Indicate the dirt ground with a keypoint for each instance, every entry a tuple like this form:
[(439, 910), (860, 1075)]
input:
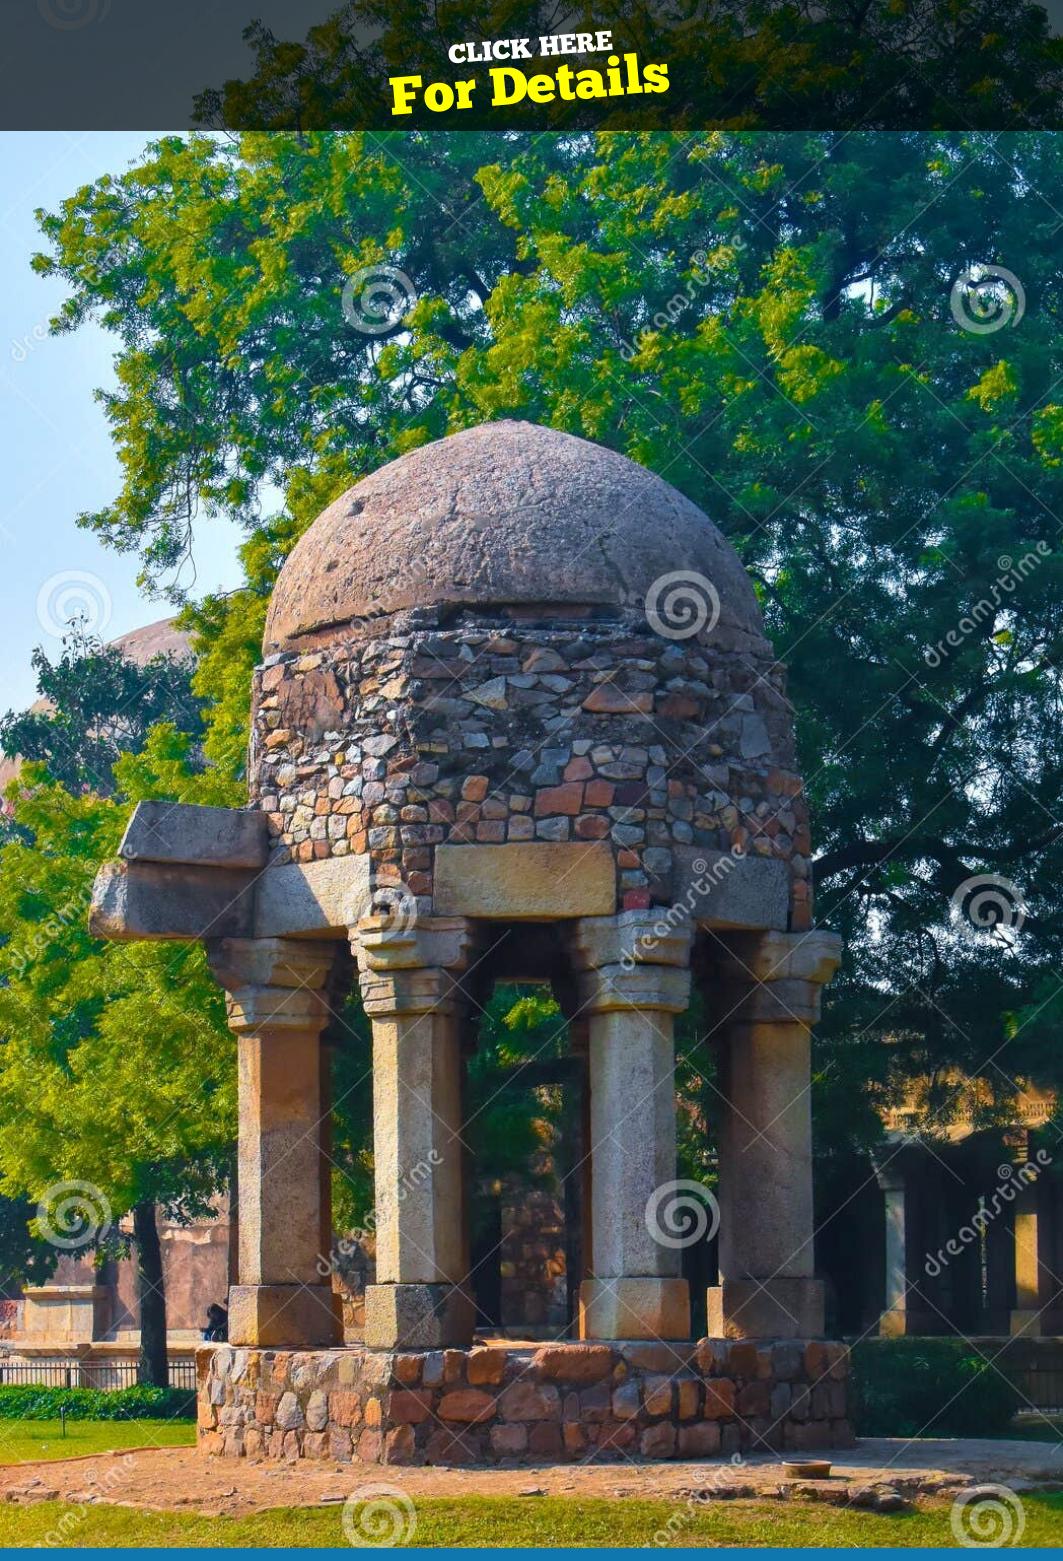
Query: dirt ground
[(879, 1472)]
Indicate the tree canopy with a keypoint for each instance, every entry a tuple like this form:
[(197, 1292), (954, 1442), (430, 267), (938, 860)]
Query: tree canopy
[(797, 330)]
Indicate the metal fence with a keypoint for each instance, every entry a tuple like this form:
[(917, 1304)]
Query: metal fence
[(104, 1374)]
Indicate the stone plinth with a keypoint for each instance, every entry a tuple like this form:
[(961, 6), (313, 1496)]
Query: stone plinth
[(501, 1405)]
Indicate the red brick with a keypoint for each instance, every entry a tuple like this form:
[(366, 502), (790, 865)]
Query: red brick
[(591, 826), (544, 1439), (486, 1365), (578, 769), (636, 900), (530, 1401), (474, 788)]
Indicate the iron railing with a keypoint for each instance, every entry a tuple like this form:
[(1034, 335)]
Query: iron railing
[(104, 1374)]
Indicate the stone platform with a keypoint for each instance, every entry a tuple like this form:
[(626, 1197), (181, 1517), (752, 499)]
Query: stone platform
[(511, 1404)]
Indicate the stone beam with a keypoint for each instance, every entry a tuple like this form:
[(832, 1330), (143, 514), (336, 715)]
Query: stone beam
[(153, 900), (185, 833), (537, 881), (720, 889)]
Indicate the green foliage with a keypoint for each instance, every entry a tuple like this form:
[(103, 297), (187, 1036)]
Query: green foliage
[(929, 1387), (99, 705), (29, 1402), (767, 321)]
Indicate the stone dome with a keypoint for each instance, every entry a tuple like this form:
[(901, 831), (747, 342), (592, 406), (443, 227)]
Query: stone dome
[(504, 514)]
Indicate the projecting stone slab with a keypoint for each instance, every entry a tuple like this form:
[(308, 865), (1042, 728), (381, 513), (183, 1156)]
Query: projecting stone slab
[(318, 897), (154, 900), (724, 890), (205, 837), (540, 881)]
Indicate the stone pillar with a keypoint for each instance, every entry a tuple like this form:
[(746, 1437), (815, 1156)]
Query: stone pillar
[(635, 979), (411, 988), (904, 1310), (277, 1010), (1027, 1317), (769, 1000)]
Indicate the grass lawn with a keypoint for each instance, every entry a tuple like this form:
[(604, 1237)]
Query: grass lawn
[(30, 1439), (508, 1521)]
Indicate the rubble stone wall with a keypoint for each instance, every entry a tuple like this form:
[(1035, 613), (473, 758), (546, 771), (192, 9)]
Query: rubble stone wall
[(521, 731), (494, 1404)]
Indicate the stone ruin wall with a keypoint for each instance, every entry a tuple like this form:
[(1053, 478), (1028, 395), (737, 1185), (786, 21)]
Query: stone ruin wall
[(529, 730), (512, 1406)]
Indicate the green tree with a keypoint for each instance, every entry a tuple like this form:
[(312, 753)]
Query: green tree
[(779, 324), (95, 703)]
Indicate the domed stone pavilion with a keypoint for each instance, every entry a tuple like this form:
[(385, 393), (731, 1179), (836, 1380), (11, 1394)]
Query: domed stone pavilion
[(516, 719)]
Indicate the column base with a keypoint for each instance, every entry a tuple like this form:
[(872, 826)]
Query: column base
[(284, 1316), (779, 1308), (1026, 1323), (417, 1317), (642, 1308)]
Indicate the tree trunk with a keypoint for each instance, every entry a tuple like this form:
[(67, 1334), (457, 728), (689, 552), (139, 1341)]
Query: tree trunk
[(152, 1368)]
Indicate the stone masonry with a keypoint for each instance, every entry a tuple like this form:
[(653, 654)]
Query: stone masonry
[(512, 1406)]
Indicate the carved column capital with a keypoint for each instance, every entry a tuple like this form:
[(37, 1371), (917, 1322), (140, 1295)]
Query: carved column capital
[(778, 977), (272, 983), (411, 970), (632, 938)]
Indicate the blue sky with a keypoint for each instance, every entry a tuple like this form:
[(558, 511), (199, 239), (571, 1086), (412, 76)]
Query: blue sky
[(57, 455)]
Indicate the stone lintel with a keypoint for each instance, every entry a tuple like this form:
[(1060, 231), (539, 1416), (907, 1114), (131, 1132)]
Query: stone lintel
[(159, 901), (308, 898), (720, 889), (637, 937), (183, 832), (532, 881)]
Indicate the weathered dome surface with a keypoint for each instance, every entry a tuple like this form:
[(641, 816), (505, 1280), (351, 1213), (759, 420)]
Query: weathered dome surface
[(503, 514)]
